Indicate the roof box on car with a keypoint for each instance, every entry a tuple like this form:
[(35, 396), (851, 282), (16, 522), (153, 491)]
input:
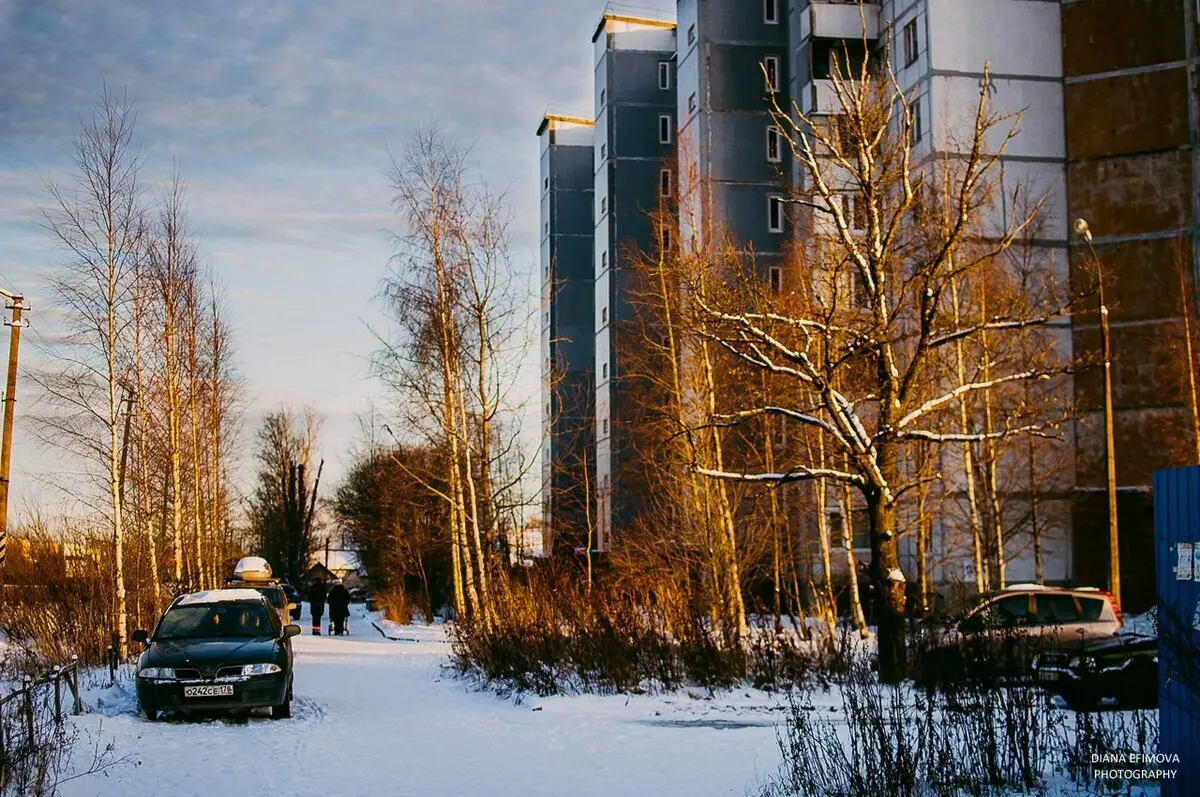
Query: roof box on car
[(252, 568)]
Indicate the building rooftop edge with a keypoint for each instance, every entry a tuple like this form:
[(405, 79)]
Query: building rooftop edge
[(554, 117), (647, 21)]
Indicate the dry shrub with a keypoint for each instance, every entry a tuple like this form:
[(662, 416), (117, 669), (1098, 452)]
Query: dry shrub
[(59, 598), (396, 604), (966, 736), (552, 635)]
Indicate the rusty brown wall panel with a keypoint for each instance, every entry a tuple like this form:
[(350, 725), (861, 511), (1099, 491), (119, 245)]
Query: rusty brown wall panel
[(1147, 366), (1132, 195), (1107, 35), (1146, 439), (1129, 114), (1141, 278), (1089, 542)]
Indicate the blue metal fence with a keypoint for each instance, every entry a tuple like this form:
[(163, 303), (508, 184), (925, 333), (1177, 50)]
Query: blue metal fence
[(1177, 557)]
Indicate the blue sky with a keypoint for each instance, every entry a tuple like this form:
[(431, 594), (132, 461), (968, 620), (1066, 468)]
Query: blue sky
[(280, 114)]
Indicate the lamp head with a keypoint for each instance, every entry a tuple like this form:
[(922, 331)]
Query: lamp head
[(1082, 230)]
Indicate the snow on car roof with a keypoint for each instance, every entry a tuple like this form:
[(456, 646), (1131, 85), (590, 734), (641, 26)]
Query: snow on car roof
[(219, 596)]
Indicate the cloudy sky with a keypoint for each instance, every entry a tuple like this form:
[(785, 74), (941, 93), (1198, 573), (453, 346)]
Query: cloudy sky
[(280, 115)]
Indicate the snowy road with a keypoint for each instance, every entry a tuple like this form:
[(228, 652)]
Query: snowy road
[(379, 717)]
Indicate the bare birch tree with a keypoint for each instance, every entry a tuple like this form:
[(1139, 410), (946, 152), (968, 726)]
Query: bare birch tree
[(97, 223), (448, 358), (872, 368)]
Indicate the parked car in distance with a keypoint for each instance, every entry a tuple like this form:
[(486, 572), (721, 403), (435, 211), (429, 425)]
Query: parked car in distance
[(1123, 668), (223, 649), (293, 596), (1001, 632), (253, 572)]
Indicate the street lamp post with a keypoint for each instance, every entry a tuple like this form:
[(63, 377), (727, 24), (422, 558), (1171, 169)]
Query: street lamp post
[(1110, 462)]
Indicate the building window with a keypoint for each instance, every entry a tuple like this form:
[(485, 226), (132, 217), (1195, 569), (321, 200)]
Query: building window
[(546, 184), (603, 315), (664, 75), (603, 205), (910, 43), (604, 371), (691, 34), (771, 12), (664, 182), (603, 151), (692, 102), (603, 260), (771, 66), (915, 109), (774, 154), (666, 238), (774, 214), (547, 228), (605, 482), (605, 425), (664, 129), (775, 279), (601, 98)]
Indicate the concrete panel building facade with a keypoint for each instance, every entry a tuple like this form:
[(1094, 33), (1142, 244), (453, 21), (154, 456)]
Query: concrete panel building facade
[(568, 337), (634, 172), (1130, 91)]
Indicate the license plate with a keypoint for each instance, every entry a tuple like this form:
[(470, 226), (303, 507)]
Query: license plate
[(216, 690), (1048, 675)]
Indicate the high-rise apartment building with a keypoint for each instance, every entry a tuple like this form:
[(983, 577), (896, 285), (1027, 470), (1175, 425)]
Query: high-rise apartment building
[(568, 333), (939, 52), (634, 147), (1105, 95)]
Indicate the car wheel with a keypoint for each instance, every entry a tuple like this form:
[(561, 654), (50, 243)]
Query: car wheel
[(149, 712), (284, 710)]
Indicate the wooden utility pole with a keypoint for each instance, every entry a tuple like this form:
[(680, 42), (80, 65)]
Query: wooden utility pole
[(10, 400), (1110, 460)]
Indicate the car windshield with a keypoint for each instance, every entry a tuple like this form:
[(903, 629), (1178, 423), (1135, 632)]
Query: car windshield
[(216, 621)]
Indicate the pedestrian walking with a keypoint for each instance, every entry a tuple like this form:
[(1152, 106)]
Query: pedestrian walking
[(339, 607), (316, 603)]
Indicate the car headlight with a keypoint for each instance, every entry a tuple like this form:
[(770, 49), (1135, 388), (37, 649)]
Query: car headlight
[(260, 669), (157, 673)]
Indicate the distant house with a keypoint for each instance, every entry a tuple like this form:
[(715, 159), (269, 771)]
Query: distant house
[(327, 564)]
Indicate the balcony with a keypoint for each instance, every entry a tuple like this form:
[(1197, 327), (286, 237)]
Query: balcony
[(839, 19), (817, 98)]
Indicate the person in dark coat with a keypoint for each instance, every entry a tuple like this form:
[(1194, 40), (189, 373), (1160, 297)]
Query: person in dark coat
[(316, 602), (339, 607)]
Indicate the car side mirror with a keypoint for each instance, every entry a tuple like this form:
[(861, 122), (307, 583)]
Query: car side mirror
[(291, 629), (140, 636)]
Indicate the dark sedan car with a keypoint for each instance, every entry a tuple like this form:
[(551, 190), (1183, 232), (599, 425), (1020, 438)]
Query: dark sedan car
[(1123, 668), (221, 650)]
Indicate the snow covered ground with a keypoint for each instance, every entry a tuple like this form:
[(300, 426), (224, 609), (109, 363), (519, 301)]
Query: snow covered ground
[(377, 716)]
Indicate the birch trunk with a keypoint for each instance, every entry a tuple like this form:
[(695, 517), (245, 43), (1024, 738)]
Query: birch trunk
[(968, 451)]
